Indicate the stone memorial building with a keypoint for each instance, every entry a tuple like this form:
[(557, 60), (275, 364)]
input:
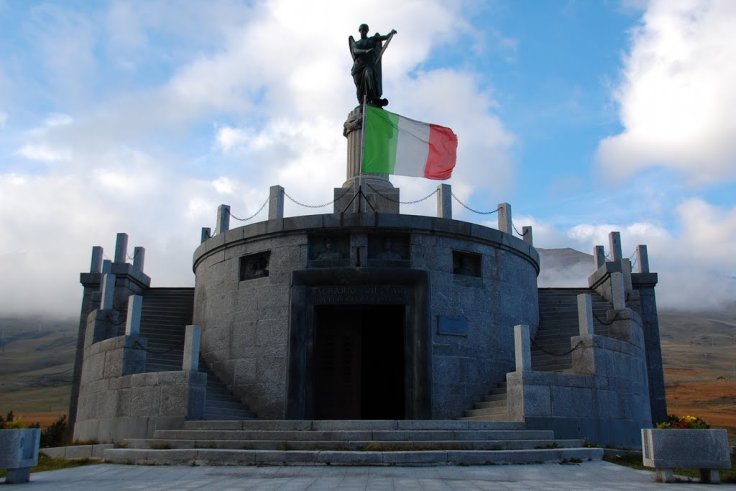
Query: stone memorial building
[(366, 313)]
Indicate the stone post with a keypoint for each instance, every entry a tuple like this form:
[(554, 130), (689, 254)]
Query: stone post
[(121, 249), (133, 320), (139, 258), (444, 201), (643, 258), (96, 265), (599, 257), (522, 345), (504, 218), (223, 219), (206, 234), (614, 241), (626, 271), (585, 315), (192, 339), (108, 291), (528, 237), (276, 203), (106, 266), (618, 291)]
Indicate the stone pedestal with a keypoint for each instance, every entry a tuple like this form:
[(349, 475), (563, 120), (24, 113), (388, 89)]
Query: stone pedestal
[(18, 453), (377, 194), (705, 449)]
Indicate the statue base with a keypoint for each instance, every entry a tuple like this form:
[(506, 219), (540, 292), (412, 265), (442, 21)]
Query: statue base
[(367, 193)]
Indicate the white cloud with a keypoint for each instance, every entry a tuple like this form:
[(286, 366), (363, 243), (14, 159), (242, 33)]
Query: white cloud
[(696, 266), (274, 80), (58, 119), (43, 153), (677, 94)]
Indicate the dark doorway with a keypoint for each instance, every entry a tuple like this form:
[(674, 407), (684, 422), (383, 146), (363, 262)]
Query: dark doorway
[(359, 362)]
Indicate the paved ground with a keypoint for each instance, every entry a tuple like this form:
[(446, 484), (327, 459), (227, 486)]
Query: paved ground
[(548, 477)]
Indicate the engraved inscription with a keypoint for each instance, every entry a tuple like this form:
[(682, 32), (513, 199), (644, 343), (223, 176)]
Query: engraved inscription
[(359, 294)]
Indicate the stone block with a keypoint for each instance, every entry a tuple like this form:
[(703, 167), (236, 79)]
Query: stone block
[(571, 402), (537, 401), (688, 448), (173, 400), (145, 401), (18, 453)]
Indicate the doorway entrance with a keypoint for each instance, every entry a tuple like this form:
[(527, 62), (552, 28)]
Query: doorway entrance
[(359, 362)]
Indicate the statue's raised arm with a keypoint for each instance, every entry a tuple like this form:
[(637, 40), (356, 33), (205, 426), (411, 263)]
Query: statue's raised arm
[(367, 53)]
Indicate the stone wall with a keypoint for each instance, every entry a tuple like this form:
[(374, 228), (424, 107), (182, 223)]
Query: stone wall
[(246, 317), (117, 400), (605, 400)]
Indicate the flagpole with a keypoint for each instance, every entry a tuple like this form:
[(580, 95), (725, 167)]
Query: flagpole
[(360, 160)]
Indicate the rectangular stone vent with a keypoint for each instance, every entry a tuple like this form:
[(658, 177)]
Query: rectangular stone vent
[(254, 265), (466, 263)]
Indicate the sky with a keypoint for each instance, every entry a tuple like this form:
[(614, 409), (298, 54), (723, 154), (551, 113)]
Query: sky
[(143, 116)]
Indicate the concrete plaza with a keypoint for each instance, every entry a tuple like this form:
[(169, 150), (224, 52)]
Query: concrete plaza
[(549, 477)]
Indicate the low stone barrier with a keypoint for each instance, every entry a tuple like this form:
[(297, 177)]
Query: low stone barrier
[(18, 453), (704, 449)]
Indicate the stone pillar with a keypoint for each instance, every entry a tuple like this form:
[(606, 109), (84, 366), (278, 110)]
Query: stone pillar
[(276, 203), (192, 340), (96, 265), (528, 237), (106, 266), (444, 201), (626, 271), (618, 291), (133, 320), (223, 219), (121, 249), (206, 234), (522, 345), (108, 291), (599, 257), (614, 241), (139, 258), (643, 258), (644, 283), (504, 218), (585, 315)]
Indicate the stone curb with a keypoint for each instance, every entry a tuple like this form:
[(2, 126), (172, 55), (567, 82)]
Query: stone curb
[(299, 457)]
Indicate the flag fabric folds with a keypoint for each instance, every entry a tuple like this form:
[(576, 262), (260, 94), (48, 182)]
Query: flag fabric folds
[(393, 144)]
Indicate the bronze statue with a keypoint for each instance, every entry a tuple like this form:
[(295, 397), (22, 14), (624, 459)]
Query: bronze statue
[(366, 71)]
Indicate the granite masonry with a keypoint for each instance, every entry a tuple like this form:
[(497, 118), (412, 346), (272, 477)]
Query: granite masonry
[(368, 314)]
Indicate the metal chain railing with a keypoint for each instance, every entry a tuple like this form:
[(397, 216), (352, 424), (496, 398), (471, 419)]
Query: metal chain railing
[(473, 210), (295, 201), (250, 217), (389, 198)]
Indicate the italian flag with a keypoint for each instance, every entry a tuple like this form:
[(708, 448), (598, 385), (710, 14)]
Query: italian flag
[(393, 144)]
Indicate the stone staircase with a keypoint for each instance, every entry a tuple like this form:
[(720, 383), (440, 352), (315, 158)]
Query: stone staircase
[(493, 407), (558, 322), (364, 442), (164, 315)]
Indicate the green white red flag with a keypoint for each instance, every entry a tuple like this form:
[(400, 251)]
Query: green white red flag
[(393, 144)]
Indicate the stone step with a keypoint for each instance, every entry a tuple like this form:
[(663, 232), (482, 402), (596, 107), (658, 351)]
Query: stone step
[(348, 435), (336, 457), (501, 411), (352, 445), (362, 424)]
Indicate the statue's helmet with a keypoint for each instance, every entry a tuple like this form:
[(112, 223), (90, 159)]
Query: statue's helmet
[(363, 27)]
